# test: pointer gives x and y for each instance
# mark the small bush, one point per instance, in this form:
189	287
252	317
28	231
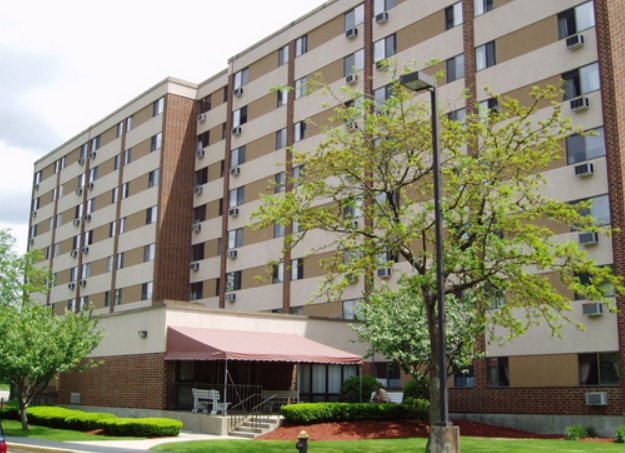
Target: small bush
620	435
86	421
309	413
148	427
575	432
50	416
352	392
417	408
417	389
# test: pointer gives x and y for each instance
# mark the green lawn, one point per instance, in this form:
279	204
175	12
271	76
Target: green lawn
468	445
4	387
14	428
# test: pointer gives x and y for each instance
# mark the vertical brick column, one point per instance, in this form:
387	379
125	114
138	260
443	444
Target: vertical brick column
468	34
118	213
53	235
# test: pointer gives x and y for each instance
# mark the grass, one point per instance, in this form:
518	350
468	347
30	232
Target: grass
14	428
468	445
4	387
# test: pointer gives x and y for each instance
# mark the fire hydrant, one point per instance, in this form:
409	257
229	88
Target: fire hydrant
302	442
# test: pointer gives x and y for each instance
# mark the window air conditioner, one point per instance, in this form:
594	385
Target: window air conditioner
196	227
195	266
236	131
88	218
584	170
351	33
382	18
93	155
232	254
231	297
33	213
36	187
351	79
385	272
201	117
589	238
81	161
83	282
575	42
233	212
71	285
592	309
381	65
85	250
74	253
198	190
79	191
235	171
580	104
200	153
238	92
597	399
76	222
90	186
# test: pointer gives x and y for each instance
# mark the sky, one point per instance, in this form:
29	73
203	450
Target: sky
66	64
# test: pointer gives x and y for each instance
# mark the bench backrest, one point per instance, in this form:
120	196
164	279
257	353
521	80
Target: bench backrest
205	394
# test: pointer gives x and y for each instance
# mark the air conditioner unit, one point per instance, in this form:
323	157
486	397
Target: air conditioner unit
195	266
200	153
33	213
74	253
31	241
351	33
236	131
232	254
92	155
233	212
36	187
71	285
589	238
575	42
238	92
235	171
90	186
351	79
351	124
381	65
81	161
592	309
76	222
385	272
597	399
580	104
196	227
198	190
584	170
201	117
83	282
79	191
382	18
85	250
88	218
231	297
355	224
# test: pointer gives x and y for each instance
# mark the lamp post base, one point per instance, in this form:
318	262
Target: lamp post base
444	439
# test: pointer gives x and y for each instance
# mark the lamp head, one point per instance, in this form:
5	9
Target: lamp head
417	81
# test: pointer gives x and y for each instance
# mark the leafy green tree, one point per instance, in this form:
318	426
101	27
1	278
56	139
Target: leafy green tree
36	345
369	184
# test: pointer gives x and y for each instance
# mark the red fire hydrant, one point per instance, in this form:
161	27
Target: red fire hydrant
302	442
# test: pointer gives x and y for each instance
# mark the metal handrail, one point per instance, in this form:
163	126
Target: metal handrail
255	416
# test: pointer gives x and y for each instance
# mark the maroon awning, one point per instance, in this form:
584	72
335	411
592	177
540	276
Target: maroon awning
192	343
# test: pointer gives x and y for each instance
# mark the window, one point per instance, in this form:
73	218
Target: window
283	55
57	248
282	97
80	180
197	252
482	6
154	177
299	131
78	212
281	138
150	215
73	274
464	379
122	225
95	143
149	252
457	115
60	164
238	156
455	68
158	106
127	156
156	142
488	106
116	161
581	148
279	182
353	62
76	242
382	95
125	190
71	304
86	270
205	104
301	45
197	290
323	382
129	123
237	196
235	238
233	281
224	128
581	81
118	296
354	17
497	373
453	15
379	6
279	231
93	174
350	308
599	209
585	279
201	176
146	291
388	374
384	48
90	205
107	298
203	140
120	129
239	116
602	368
298	172
199	213
352	208
110	261
120	260
297	269
241	78
112	229
485	56
576	19
225	94
277	275
301	87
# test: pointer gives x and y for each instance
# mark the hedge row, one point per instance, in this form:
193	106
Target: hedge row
309	413
60	417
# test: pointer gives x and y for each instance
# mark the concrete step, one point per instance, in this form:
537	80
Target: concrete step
248	431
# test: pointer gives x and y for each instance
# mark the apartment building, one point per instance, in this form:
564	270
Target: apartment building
151	203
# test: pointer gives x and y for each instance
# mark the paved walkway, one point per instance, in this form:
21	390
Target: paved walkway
104	446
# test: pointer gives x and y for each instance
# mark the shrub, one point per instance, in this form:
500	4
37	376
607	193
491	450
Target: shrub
417	408
309	413
50	416
575	432
620	434
148	427
86	421
417	389
352	392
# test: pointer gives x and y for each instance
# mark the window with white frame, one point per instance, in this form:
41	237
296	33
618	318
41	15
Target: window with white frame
120	260
576	19
485	56
238	156
237	196
301	87
350	308
156	142
235	238
241	78
150	215
455	68
127	156
86	270
453	15
125	190
581	81
299	129
599	209
281	138
482	6
282	97
146	290
385	48
149	252
239	116
354	17
283	55
353	62
301	45
279	182
457	115
497	372
279	231
379	6
154	178
158	106
580	148
599	368
233	281
119	296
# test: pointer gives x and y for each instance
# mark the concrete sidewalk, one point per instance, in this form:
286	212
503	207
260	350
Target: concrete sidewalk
105	446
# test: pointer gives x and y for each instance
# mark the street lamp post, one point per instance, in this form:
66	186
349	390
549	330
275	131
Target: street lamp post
445	437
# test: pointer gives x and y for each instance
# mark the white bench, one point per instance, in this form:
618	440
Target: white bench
393	397
202	398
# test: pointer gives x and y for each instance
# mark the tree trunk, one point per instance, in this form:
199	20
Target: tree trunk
23	414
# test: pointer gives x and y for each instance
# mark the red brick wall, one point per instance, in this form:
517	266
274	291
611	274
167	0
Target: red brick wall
124	381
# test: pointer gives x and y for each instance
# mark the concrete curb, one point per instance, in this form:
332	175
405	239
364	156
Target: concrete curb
19	447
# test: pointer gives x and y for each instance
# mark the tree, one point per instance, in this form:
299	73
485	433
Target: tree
499	228
36	345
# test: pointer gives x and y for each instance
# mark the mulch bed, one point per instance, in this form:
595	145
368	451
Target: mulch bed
367	429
